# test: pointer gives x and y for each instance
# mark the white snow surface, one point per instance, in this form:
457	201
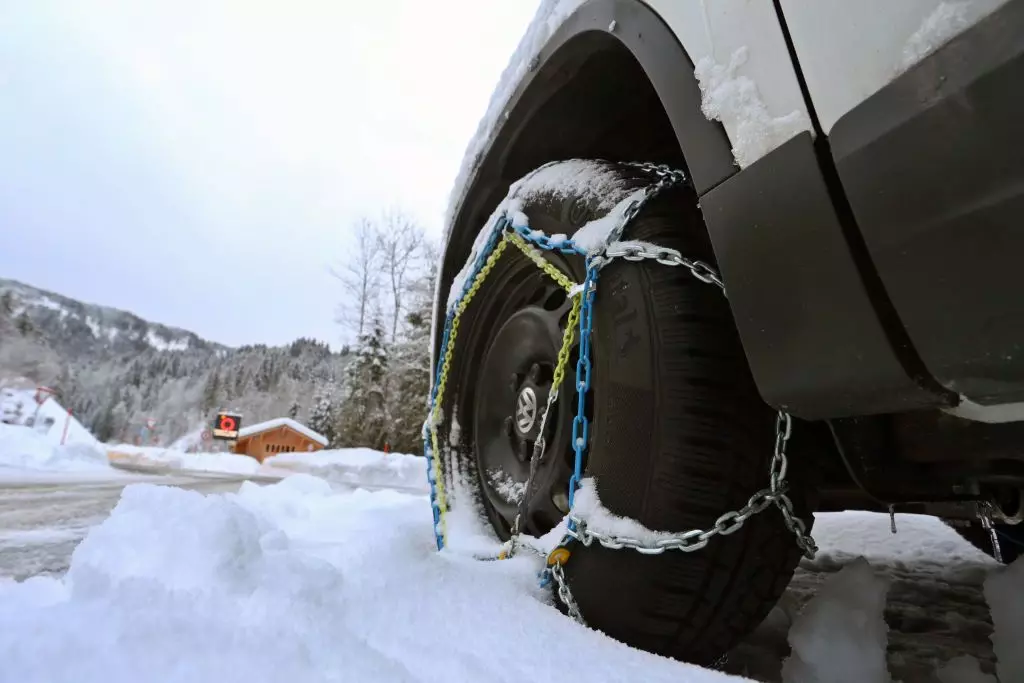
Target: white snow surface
587	506
152	456
1004	592
50	411
592	182
506	486
920	542
292	582
357	467
840	637
593	237
22	448
947	21
283	422
734	100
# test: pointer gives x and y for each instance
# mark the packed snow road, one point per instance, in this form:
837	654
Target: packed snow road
41	522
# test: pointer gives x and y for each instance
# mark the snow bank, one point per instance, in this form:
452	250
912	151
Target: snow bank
18	406
922	542
736	102
24	448
840	637
153	457
1004	592
291	583
357	467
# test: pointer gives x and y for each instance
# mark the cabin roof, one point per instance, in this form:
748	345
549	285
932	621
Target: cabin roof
283	422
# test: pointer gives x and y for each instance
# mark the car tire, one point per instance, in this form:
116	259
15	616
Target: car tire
679	434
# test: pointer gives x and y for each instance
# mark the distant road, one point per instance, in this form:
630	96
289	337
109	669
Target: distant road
42	522
43	517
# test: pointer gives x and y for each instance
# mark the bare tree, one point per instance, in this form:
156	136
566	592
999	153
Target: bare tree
359	275
402	247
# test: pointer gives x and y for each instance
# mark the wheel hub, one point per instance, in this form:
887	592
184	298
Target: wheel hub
526	410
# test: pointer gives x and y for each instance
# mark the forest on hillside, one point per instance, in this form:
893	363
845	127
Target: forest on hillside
114	370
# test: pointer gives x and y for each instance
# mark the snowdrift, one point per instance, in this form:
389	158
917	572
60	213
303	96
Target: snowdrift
23	448
18	406
150	457
358	467
291	583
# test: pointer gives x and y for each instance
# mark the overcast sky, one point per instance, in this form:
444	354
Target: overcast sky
200	162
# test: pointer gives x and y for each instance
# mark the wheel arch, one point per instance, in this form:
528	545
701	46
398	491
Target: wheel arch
615	57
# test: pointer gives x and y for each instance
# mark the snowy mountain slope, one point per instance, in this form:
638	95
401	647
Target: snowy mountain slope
73	327
116	370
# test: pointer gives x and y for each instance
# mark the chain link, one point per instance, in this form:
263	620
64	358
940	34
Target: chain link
665	177
985	517
565	595
640	251
728	523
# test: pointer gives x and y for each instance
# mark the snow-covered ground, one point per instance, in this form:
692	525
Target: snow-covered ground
49	419
358	467
156	458
295	581
25	451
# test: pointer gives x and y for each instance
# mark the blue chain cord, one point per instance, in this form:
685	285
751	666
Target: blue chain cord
580	424
563	245
492	240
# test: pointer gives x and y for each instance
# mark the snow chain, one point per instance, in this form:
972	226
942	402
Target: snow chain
582	314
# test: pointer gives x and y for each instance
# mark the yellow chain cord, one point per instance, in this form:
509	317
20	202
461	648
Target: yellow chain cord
567	337
545	265
563	353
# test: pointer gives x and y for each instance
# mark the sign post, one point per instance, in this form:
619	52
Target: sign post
226	426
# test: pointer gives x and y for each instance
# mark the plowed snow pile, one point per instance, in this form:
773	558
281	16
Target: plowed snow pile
166	458
22	448
358	466
293	583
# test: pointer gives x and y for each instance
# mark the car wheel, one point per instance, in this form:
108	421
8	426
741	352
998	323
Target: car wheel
679	434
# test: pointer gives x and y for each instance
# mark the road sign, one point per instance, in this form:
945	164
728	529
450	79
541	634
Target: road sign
226	426
150	423
206	435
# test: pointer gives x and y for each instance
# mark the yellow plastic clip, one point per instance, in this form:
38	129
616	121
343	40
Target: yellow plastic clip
559	555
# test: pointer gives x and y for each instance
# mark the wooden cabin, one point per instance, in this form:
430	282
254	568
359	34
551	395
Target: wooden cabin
282	435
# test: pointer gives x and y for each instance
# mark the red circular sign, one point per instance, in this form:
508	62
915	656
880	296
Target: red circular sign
228	423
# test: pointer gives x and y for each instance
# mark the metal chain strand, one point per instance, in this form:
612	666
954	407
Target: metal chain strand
565	595
727	523
666	177
985	516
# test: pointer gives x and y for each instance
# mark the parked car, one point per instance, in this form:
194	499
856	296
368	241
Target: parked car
853	172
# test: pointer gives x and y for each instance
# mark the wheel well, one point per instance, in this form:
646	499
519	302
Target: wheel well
600	104
591	100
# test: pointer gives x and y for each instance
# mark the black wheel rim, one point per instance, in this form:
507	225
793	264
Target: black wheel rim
513	343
